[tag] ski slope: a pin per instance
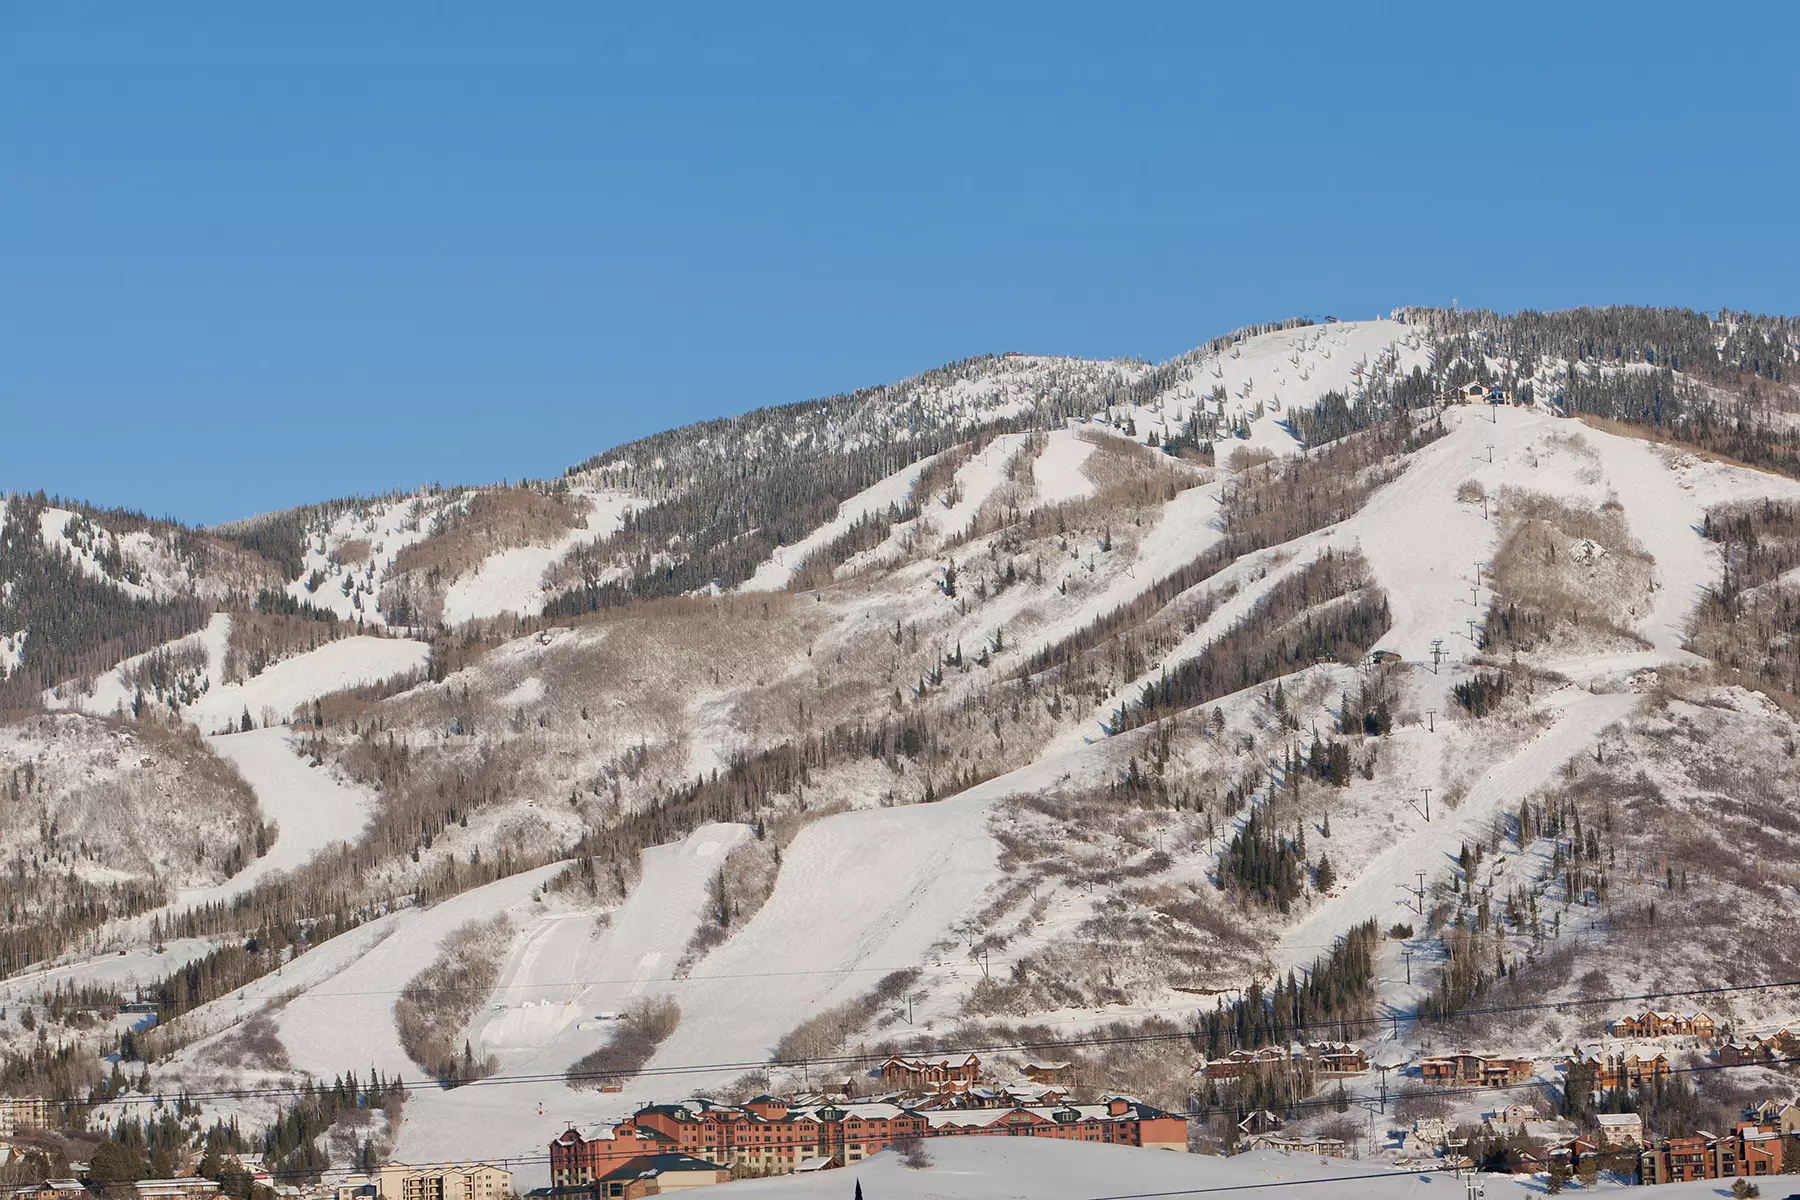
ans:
(281, 688)
(775, 573)
(141, 965)
(1666, 520)
(276, 692)
(1378, 889)
(1058, 471)
(565, 970)
(348, 1017)
(512, 581)
(311, 806)
(860, 894)
(976, 482)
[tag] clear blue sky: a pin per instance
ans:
(256, 255)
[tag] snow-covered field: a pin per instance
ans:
(988, 1168)
(274, 695)
(140, 965)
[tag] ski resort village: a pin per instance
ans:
(1351, 759)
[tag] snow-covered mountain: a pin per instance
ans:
(1028, 705)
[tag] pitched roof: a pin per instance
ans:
(648, 1166)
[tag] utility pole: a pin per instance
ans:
(1437, 652)
(1407, 954)
(1421, 876)
(1431, 719)
(1472, 632)
(1427, 812)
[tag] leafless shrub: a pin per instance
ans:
(912, 1154)
(498, 519)
(827, 1033)
(436, 1006)
(255, 1045)
(1562, 569)
(352, 553)
(744, 1087)
(1470, 491)
(1416, 1101)
(1243, 458)
(646, 1025)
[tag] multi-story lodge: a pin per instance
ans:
(443, 1181)
(636, 1178)
(1468, 1069)
(902, 1074)
(1334, 1059)
(1650, 1024)
(1782, 1044)
(1622, 1072)
(1750, 1151)
(19, 1113)
(769, 1136)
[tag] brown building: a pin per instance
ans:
(19, 1113)
(904, 1074)
(52, 1189)
(443, 1181)
(1651, 1024)
(1239, 1063)
(190, 1188)
(1468, 1069)
(767, 1136)
(1621, 1072)
(1336, 1058)
(1749, 1151)
(657, 1175)
(576, 1160)
(1060, 1073)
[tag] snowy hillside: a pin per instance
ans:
(1120, 714)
